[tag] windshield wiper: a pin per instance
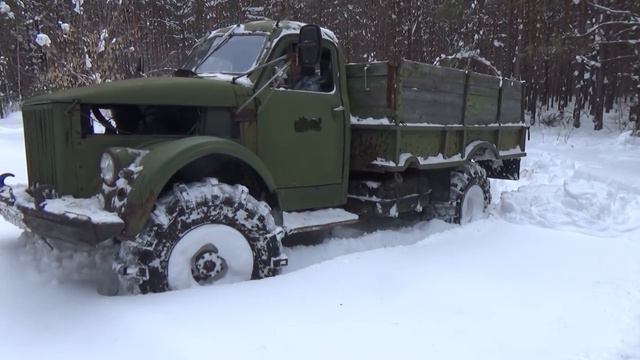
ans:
(278, 74)
(223, 40)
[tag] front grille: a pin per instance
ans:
(40, 143)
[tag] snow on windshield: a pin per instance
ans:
(236, 55)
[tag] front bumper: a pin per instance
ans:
(79, 221)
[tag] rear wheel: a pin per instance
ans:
(200, 234)
(469, 195)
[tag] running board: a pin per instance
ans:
(297, 222)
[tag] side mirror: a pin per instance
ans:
(309, 46)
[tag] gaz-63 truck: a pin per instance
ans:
(264, 132)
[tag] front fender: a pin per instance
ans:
(165, 159)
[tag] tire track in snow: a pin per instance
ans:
(348, 240)
(67, 264)
(559, 192)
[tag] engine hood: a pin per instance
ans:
(153, 91)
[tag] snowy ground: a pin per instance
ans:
(553, 273)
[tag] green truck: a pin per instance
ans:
(264, 132)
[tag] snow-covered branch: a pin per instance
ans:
(614, 11)
(168, 23)
(469, 54)
(628, 42)
(590, 63)
(610, 23)
(5, 10)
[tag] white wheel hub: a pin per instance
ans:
(472, 207)
(210, 253)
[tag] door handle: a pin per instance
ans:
(339, 108)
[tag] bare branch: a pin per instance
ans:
(618, 58)
(632, 28)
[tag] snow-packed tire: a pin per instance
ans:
(469, 197)
(202, 233)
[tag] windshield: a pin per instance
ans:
(237, 54)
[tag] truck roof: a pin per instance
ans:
(269, 27)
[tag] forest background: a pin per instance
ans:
(578, 58)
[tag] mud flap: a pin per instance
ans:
(280, 261)
(506, 169)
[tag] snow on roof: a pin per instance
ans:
(284, 27)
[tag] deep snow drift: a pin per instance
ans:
(553, 273)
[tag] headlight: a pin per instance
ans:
(108, 168)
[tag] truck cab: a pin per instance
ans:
(306, 110)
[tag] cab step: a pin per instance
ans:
(298, 222)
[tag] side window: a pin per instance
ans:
(318, 79)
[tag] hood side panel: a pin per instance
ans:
(151, 91)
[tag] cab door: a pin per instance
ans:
(301, 128)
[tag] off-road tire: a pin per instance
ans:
(462, 179)
(186, 207)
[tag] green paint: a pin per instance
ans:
(166, 158)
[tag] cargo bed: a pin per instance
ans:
(424, 116)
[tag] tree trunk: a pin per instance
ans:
(577, 109)
(598, 103)
(18, 69)
(634, 114)
(634, 111)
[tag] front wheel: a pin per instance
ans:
(200, 234)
